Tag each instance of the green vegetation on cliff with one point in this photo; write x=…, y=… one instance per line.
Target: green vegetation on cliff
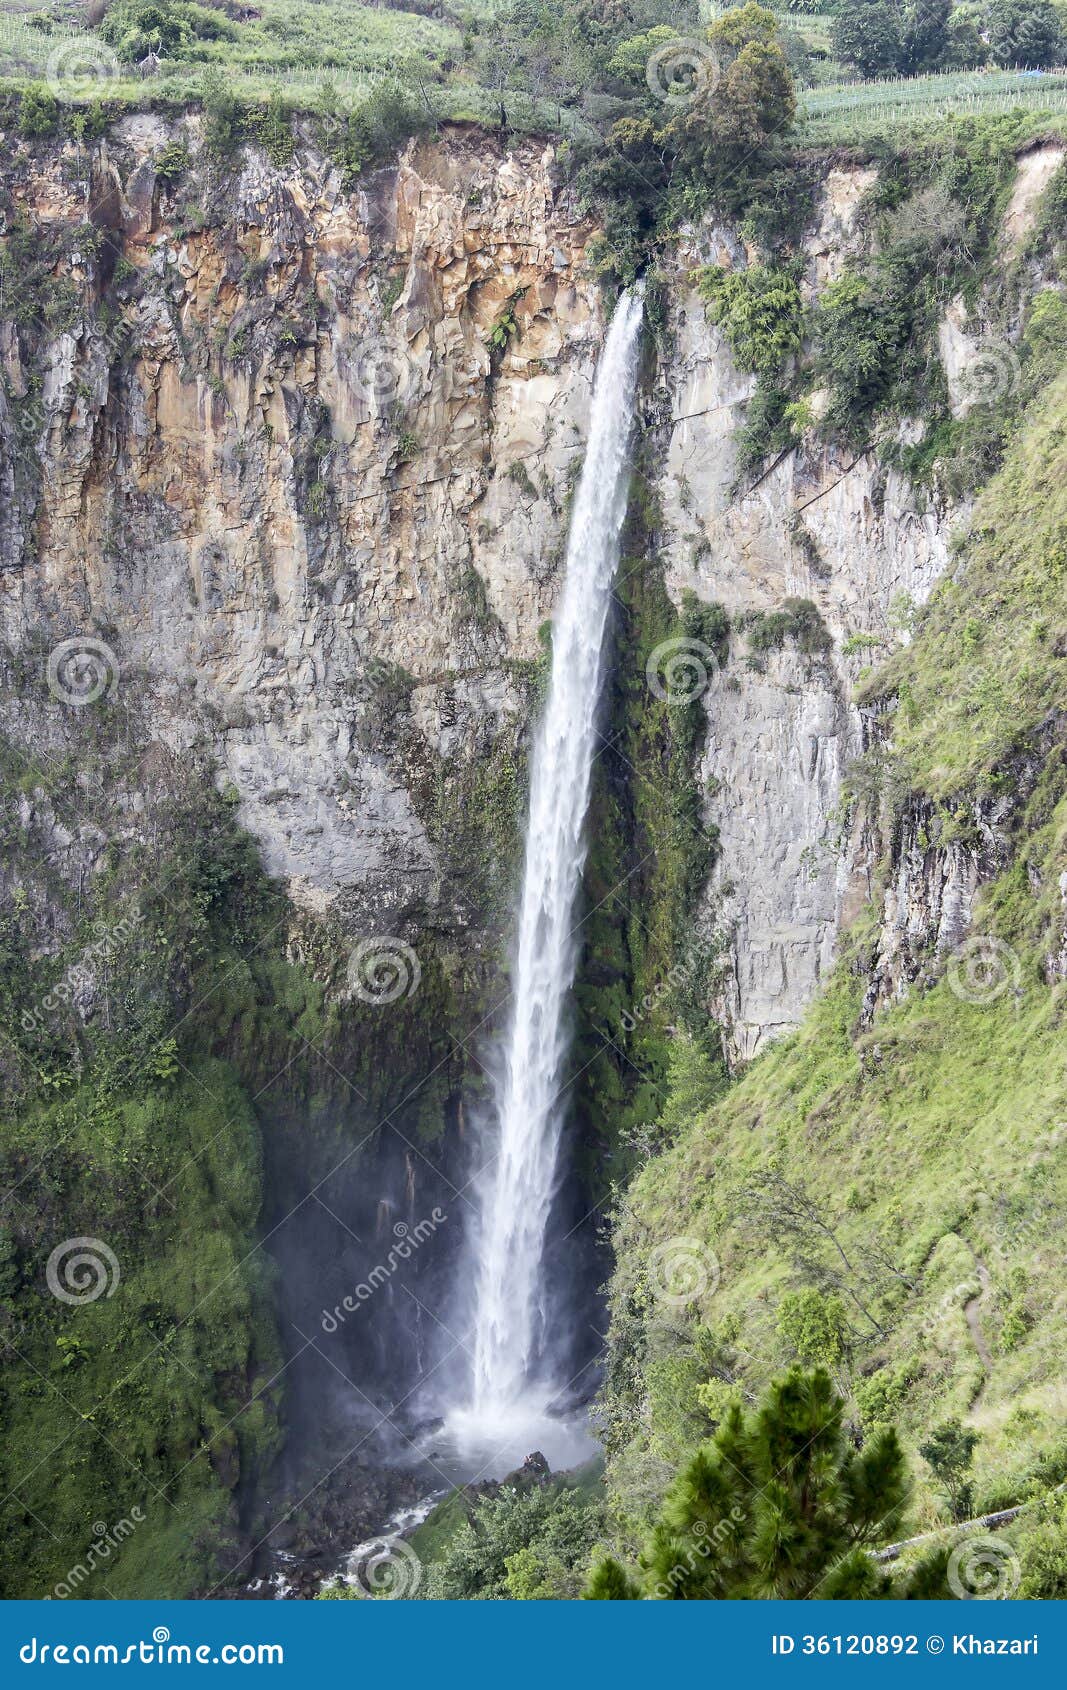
x=642, y=972
x=155, y=1036
x=566, y=66
x=883, y=1190
x=989, y=667
x=880, y=1192
x=141, y=1380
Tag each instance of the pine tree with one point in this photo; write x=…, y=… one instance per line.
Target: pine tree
x=610, y=1582
x=779, y=1505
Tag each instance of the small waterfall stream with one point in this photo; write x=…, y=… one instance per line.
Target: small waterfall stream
x=511, y=1387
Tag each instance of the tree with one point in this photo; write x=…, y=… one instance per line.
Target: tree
x=964, y=47
x=608, y=1582
x=629, y=62
x=755, y=99
x=1024, y=32
x=866, y=35
x=736, y=29
x=779, y=1505
x=949, y=1450
x=751, y=102
x=923, y=36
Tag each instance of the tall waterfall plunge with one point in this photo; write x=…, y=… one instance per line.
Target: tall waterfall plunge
x=509, y=1391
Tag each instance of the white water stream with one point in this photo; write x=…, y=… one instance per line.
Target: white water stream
x=510, y=1393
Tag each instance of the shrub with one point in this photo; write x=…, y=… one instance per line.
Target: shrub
x=1042, y=1546
x=171, y=28
x=759, y=312
x=272, y=130
x=522, y=1545
x=224, y=127
x=814, y=1325
x=1045, y=339
x=38, y=112
x=344, y=138
x=798, y=619
x=171, y=162
x=863, y=331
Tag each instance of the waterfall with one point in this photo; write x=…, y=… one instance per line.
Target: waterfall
x=520, y=1140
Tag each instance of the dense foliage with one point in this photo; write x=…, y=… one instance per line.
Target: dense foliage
x=521, y=1545
x=779, y=1505
x=172, y=28
x=916, y=37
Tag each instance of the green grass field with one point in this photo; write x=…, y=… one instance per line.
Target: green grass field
x=299, y=41
x=294, y=48
x=294, y=45
x=847, y=110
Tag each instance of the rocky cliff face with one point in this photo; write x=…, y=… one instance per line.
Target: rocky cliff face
x=859, y=542
x=294, y=485
x=305, y=475
x=832, y=529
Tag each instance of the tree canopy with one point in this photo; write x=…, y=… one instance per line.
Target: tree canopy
x=914, y=37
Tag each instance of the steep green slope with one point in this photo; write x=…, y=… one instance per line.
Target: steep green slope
x=887, y=1193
